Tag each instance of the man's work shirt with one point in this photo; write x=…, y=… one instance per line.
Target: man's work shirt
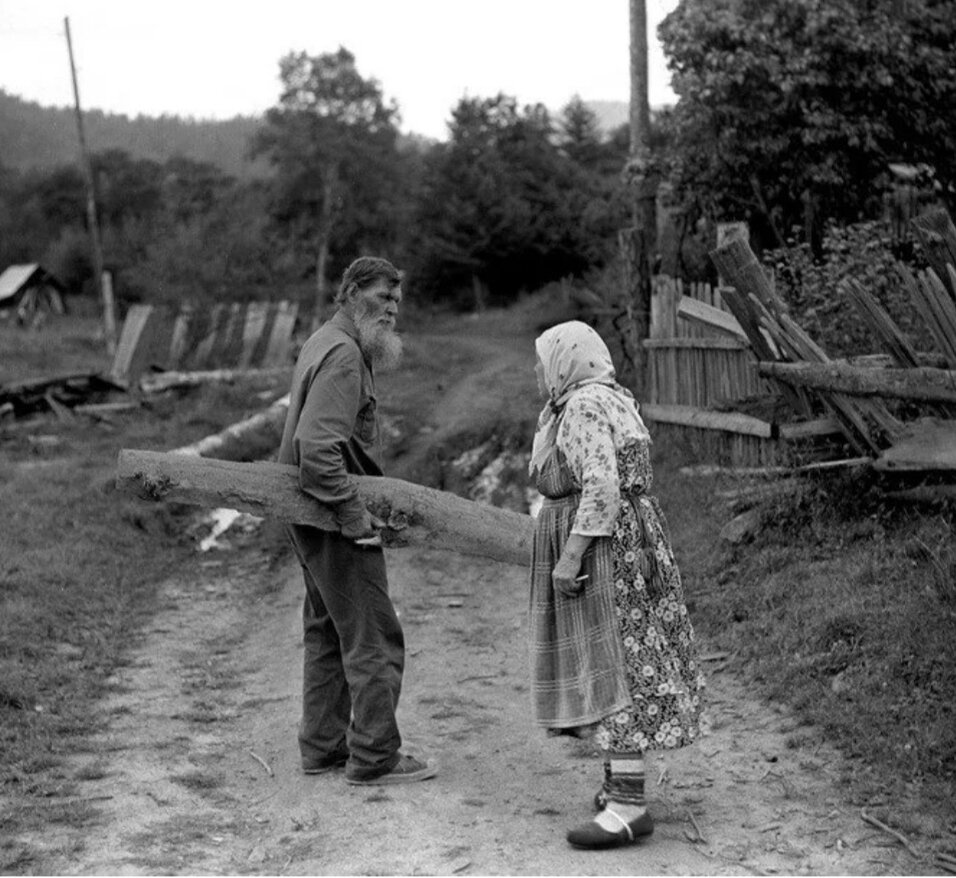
x=331, y=431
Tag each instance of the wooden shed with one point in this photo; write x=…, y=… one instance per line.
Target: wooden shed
x=28, y=290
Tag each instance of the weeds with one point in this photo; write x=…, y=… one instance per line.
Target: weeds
x=842, y=607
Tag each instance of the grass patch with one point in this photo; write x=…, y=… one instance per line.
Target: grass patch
x=80, y=564
x=842, y=608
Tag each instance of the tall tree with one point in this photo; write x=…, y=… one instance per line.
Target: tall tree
x=790, y=111
x=504, y=207
x=332, y=140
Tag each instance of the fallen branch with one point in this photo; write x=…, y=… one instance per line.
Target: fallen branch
x=700, y=835
x=262, y=762
x=415, y=515
x=902, y=839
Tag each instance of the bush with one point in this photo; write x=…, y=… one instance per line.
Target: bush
x=862, y=252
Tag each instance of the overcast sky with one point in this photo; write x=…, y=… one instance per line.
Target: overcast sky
x=219, y=58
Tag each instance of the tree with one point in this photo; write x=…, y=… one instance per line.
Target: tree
x=504, y=207
x=791, y=110
x=332, y=141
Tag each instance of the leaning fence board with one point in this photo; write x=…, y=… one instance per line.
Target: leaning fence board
x=928, y=385
x=880, y=323
x=927, y=445
x=415, y=515
x=700, y=312
x=688, y=416
x=278, y=349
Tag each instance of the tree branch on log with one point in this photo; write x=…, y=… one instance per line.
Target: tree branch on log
x=415, y=515
x=926, y=384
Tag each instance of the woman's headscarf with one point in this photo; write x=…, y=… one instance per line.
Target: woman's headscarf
x=573, y=356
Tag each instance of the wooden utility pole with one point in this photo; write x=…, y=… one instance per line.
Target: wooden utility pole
x=638, y=244
x=103, y=292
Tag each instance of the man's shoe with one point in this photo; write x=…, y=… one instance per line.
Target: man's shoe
x=408, y=770
x=594, y=836
x=323, y=766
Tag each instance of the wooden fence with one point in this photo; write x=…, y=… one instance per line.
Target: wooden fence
x=255, y=335
x=702, y=380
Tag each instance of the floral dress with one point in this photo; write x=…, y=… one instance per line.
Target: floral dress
x=620, y=658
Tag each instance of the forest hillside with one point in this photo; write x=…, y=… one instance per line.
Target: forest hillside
x=33, y=136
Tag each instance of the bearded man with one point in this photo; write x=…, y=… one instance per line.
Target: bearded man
x=354, y=645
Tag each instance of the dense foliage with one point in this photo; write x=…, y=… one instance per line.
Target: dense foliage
x=811, y=286
x=511, y=202
x=791, y=111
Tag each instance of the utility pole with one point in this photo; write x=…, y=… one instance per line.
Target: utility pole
x=639, y=243
x=104, y=292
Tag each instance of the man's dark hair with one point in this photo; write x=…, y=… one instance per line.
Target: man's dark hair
x=364, y=272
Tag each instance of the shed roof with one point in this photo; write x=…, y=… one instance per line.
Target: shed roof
x=15, y=277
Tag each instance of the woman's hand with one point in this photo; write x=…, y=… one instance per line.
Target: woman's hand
x=566, y=577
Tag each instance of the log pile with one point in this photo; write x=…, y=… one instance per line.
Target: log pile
x=864, y=400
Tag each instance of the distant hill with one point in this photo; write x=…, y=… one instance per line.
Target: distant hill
x=610, y=114
x=613, y=114
x=33, y=136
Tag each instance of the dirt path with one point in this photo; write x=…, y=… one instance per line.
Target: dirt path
x=199, y=766
x=197, y=770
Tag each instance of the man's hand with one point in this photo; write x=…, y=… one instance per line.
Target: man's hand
x=364, y=529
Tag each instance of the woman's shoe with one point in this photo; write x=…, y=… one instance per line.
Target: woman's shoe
x=594, y=836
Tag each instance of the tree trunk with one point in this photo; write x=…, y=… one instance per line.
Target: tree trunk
x=924, y=384
x=250, y=439
x=323, y=239
x=415, y=515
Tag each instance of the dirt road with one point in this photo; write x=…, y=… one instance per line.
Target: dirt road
x=197, y=769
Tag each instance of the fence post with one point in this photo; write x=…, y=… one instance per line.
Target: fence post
x=637, y=286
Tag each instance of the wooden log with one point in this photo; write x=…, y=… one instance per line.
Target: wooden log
x=688, y=416
x=250, y=439
x=929, y=385
x=925, y=446
x=415, y=515
x=158, y=382
x=737, y=263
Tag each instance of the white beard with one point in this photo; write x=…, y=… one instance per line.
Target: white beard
x=380, y=344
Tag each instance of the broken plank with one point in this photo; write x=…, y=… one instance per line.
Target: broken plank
x=416, y=515
x=689, y=416
x=924, y=446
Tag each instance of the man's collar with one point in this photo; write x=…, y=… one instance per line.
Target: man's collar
x=342, y=321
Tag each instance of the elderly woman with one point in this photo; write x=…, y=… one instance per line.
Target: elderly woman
x=612, y=647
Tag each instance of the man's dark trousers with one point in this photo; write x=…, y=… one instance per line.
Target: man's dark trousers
x=354, y=655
